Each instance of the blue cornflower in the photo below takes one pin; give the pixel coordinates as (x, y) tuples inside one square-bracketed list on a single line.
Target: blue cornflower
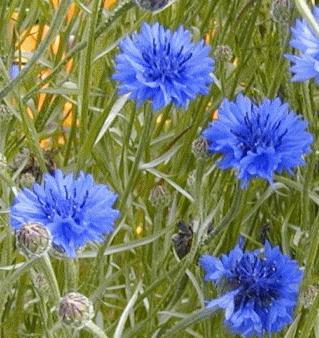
[(258, 140), (163, 66), (258, 289), (76, 210), (306, 64)]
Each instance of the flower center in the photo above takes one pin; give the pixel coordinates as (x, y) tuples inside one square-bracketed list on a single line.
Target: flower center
[(255, 279), (69, 205), (258, 131), (163, 64)]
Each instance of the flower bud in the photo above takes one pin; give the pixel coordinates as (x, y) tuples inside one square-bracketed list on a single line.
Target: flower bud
[(22, 157), (26, 180), (280, 10), (223, 53), (308, 296), (160, 196), (151, 5), (33, 239), (200, 148), (75, 309)]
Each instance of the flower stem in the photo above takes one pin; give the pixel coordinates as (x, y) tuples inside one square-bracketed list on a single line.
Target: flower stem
[(142, 145), (230, 215), (71, 274), (47, 268), (95, 330), (305, 11)]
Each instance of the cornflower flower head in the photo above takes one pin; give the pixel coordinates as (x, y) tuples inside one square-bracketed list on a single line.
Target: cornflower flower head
[(75, 209), (163, 67), (258, 289), (258, 140), (305, 65)]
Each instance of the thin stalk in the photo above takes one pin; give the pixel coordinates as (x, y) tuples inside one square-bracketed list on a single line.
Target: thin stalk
[(230, 215), (71, 273), (47, 268), (95, 330), (144, 142)]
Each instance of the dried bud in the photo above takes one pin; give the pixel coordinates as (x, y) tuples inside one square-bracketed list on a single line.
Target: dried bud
[(223, 53), (151, 5), (21, 158), (26, 180), (160, 197), (200, 148), (308, 296), (183, 239), (75, 309), (280, 10), (33, 239)]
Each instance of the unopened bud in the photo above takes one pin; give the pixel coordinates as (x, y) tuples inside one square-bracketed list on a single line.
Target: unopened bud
[(308, 296), (75, 309), (151, 5), (21, 158), (223, 53), (160, 196), (27, 180), (200, 148), (33, 239), (280, 10)]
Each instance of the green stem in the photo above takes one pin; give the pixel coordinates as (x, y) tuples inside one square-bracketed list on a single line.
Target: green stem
[(198, 189), (144, 142), (85, 74), (71, 274), (47, 268), (230, 215), (95, 330)]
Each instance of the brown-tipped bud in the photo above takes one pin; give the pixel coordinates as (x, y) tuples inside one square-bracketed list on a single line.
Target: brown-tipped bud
[(280, 10), (33, 239), (26, 180), (151, 5), (160, 196), (200, 148), (223, 53), (308, 296), (75, 309)]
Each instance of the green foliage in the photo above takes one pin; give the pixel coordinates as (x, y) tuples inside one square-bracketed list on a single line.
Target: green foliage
[(137, 283)]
